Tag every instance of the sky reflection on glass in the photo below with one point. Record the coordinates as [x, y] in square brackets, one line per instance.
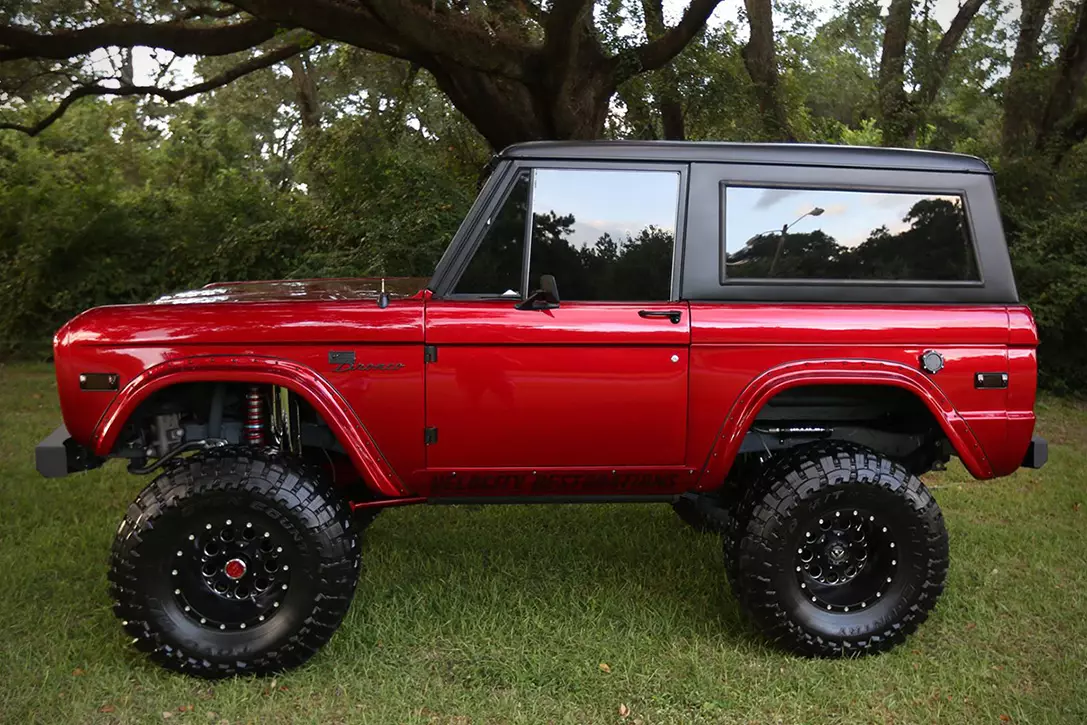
[849, 217]
[618, 203]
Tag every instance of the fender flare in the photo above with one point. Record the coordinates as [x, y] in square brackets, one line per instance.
[299, 379]
[762, 388]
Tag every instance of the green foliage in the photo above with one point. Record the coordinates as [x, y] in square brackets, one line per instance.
[124, 200]
[1046, 224]
[102, 210]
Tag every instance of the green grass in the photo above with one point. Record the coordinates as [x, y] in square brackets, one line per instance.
[506, 614]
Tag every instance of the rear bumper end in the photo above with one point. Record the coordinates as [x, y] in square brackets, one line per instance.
[58, 455]
[1037, 453]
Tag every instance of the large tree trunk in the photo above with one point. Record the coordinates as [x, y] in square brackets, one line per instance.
[760, 59]
[665, 84]
[305, 92]
[506, 111]
[895, 109]
[1020, 100]
[900, 112]
[519, 73]
[1071, 72]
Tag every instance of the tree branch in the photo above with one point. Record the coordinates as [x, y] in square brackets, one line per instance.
[191, 12]
[760, 59]
[181, 38]
[1019, 111]
[1069, 83]
[941, 57]
[398, 28]
[655, 53]
[895, 110]
[562, 28]
[666, 84]
[167, 94]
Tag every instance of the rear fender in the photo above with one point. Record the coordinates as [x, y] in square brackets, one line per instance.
[838, 372]
[299, 379]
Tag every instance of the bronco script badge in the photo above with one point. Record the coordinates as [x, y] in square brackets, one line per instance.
[344, 362]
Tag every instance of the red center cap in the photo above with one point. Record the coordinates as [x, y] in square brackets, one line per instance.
[235, 569]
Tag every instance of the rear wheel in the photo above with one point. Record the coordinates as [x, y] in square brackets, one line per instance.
[838, 551]
[234, 562]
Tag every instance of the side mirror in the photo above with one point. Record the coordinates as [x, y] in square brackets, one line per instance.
[545, 298]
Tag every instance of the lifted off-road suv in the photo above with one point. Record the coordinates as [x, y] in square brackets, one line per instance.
[776, 340]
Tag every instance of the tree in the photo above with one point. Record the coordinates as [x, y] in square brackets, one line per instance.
[665, 82]
[516, 69]
[760, 58]
[1061, 125]
[1020, 97]
[900, 109]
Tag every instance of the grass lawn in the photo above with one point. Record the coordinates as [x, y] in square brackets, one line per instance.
[566, 614]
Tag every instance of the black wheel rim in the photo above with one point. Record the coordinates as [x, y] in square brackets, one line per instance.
[232, 572]
[846, 559]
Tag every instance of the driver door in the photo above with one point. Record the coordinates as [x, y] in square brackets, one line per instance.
[598, 379]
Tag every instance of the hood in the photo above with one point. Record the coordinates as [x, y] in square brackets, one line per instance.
[314, 290]
[241, 315]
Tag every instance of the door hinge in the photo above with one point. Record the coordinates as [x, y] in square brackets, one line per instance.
[430, 436]
[430, 353]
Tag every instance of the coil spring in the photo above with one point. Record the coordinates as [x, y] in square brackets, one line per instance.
[254, 417]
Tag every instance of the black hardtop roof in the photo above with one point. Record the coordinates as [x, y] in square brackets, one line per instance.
[781, 154]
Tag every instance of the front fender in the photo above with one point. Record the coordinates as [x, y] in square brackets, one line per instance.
[299, 379]
[838, 372]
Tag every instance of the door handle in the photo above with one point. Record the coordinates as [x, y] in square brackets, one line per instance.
[674, 315]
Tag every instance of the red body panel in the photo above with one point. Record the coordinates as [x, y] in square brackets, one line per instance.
[588, 398]
[579, 386]
[222, 341]
[734, 347]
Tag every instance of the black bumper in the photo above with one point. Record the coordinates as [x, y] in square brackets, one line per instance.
[1037, 453]
[58, 455]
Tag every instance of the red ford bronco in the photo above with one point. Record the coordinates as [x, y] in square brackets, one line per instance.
[776, 340]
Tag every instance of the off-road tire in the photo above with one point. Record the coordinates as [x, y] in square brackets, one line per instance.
[235, 488]
[782, 512]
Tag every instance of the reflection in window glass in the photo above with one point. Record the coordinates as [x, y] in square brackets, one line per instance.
[603, 234]
[846, 235]
[495, 268]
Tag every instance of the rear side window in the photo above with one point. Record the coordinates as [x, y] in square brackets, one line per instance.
[822, 234]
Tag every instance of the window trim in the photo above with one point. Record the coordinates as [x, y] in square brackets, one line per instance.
[722, 241]
[474, 228]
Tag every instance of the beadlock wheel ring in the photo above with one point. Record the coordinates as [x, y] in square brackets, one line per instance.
[846, 559]
[232, 571]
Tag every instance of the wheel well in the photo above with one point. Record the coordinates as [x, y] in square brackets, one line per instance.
[890, 420]
[205, 410]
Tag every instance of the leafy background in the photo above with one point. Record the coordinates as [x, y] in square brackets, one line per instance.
[125, 199]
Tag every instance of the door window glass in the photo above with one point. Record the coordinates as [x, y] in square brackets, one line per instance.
[604, 234]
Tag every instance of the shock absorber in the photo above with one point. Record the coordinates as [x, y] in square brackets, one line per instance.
[254, 417]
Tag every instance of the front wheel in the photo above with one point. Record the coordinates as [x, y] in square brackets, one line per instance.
[842, 553]
[234, 562]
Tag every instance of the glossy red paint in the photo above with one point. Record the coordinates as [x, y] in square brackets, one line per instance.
[579, 386]
[317, 391]
[741, 355]
[376, 414]
[585, 399]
